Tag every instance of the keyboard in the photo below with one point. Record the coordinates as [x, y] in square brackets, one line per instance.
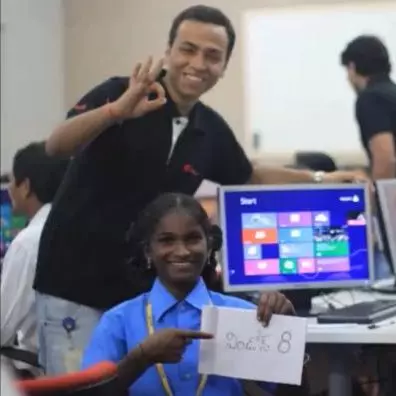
[367, 312]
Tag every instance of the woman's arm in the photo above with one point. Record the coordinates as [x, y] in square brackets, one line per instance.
[164, 346]
[132, 367]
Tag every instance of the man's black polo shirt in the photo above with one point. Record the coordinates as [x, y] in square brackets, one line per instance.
[83, 249]
[376, 110]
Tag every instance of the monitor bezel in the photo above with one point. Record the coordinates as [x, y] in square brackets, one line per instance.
[384, 207]
[338, 284]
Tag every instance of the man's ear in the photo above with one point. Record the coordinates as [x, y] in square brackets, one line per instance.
[352, 67]
[25, 188]
[166, 57]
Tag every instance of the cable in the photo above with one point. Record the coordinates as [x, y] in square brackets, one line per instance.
[380, 325]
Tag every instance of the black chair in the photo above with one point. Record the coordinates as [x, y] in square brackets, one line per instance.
[14, 355]
[315, 161]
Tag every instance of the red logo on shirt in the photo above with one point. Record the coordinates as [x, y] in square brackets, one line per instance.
[188, 168]
[80, 107]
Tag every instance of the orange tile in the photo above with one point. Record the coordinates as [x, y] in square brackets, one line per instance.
[260, 235]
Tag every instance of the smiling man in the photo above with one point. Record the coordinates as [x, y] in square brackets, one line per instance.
[367, 62]
[133, 138]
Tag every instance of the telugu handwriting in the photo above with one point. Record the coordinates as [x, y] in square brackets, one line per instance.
[259, 342]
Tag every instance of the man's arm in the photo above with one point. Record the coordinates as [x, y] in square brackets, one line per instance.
[262, 174]
[86, 120]
[231, 166]
[374, 119]
[78, 131]
[110, 103]
[383, 156]
[17, 295]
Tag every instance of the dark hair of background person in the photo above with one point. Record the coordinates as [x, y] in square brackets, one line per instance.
[369, 55]
[45, 173]
[204, 14]
[142, 231]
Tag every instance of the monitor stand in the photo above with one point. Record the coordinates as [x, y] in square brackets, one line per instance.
[302, 300]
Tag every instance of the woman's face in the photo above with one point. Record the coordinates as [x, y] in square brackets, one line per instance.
[178, 248]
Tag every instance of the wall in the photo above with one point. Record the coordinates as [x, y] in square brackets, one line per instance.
[106, 37]
[299, 74]
[32, 72]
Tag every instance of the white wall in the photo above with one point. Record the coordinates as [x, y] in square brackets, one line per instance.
[32, 72]
[297, 94]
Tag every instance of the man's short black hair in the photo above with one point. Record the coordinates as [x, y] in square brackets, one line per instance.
[204, 14]
[369, 55]
[44, 173]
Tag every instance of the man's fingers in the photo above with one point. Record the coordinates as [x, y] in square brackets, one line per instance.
[195, 335]
[157, 89]
[145, 70]
[136, 70]
[157, 70]
[159, 99]
[154, 104]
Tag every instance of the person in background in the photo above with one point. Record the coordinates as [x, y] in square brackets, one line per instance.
[7, 383]
[34, 181]
[133, 138]
[174, 251]
[368, 65]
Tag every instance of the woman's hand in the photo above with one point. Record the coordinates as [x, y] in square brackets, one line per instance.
[168, 345]
[273, 303]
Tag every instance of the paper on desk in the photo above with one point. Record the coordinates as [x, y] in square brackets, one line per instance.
[243, 348]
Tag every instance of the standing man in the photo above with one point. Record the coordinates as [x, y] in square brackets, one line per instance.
[367, 62]
[133, 139]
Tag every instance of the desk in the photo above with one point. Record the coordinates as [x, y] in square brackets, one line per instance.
[338, 335]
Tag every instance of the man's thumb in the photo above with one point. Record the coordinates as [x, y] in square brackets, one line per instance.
[155, 104]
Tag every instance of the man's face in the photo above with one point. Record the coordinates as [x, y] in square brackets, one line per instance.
[197, 59]
[19, 194]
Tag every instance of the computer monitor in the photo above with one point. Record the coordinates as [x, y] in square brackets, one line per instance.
[296, 237]
[11, 224]
[386, 208]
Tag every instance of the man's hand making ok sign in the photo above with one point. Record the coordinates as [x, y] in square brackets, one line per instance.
[136, 101]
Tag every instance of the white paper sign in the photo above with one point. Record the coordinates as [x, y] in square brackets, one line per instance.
[243, 348]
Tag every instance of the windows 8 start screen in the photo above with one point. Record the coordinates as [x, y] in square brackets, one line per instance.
[298, 236]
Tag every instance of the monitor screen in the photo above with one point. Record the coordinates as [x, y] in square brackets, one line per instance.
[295, 236]
[386, 194]
[11, 224]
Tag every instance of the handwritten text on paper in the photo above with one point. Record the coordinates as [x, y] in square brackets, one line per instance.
[244, 348]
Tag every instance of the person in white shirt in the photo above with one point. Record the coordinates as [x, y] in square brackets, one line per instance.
[7, 383]
[34, 181]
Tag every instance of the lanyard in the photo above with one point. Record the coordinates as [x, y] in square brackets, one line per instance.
[160, 367]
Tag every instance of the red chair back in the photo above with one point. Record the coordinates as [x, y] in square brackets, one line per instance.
[98, 379]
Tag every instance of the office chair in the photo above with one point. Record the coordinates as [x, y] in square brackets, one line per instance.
[98, 380]
[15, 355]
[315, 161]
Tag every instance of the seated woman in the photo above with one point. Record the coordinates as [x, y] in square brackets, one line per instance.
[176, 243]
